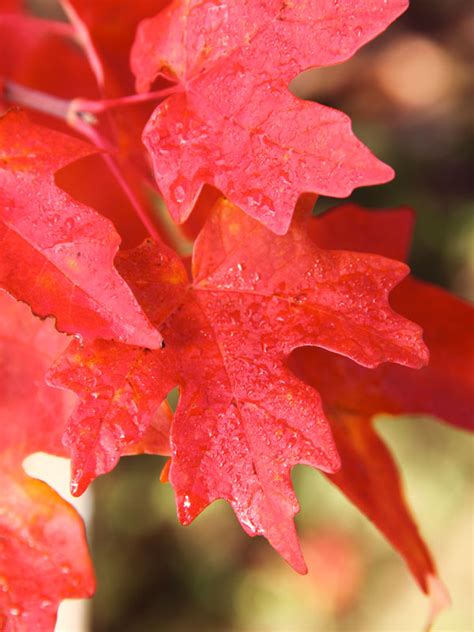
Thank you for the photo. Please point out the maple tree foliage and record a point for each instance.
(285, 333)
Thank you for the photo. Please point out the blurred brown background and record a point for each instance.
(409, 94)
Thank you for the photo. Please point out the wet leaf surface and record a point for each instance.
(233, 123)
(243, 419)
(352, 395)
(57, 254)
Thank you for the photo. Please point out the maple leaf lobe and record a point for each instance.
(57, 254)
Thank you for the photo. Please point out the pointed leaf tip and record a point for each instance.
(439, 599)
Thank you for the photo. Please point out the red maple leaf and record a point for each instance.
(243, 419)
(43, 551)
(56, 254)
(353, 395)
(233, 122)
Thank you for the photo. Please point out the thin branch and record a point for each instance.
(86, 105)
(79, 115)
(36, 100)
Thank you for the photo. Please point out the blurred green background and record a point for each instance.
(409, 94)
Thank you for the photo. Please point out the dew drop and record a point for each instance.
(69, 223)
(179, 194)
(246, 522)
